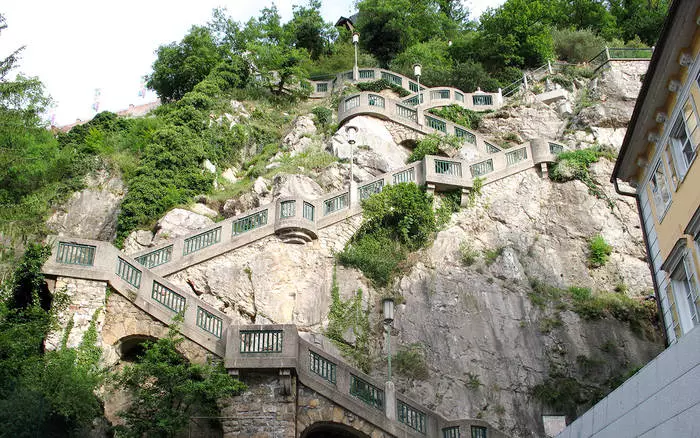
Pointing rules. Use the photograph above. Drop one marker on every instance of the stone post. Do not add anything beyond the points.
(390, 400)
(525, 81)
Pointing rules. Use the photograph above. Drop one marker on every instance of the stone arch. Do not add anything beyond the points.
(131, 347)
(330, 429)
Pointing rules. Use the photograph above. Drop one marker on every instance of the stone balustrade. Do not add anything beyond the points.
(150, 292)
(281, 347)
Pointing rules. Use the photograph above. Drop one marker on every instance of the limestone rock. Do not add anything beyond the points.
(209, 166)
(230, 175)
(295, 185)
(203, 210)
(92, 212)
(298, 139)
(531, 121)
(179, 222)
(138, 240)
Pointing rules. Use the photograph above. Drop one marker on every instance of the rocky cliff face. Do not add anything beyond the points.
(486, 339)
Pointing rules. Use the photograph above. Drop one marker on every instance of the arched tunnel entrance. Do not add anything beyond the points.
(132, 347)
(331, 430)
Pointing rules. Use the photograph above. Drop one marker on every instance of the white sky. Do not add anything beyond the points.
(76, 46)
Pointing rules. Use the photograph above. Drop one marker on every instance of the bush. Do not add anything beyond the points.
(377, 255)
(382, 84)
(467, 254)
(490, 255)
(576, 46)
(425, 146)
(324, 116)
(599, 251)
(461, 116)
(410, 361)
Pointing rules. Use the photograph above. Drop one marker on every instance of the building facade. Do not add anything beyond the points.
(660, 159)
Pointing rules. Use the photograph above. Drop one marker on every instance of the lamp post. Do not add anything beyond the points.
(417, 71)
(388, 311)
(351, 134)
(355, 69)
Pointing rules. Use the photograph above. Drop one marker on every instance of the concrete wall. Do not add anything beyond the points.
(661, 400)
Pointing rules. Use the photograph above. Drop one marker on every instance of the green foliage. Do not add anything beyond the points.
(324, 116)
(397, 220)
(459, 115)
(473, 381)
(410, 361)
(450, 202)
(345, 316)
(42, 393)
(576, 46)
(426, 146)
(640, 18)
(382, 84)
(467, 254)
(307, 29)
(546, 325)
(490, 255)
(572, 165)
(166, 390)
(599, 251)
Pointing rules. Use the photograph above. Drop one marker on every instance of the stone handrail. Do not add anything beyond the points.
(323, 88)
(150, 292)
(282, 347)
(446, 96)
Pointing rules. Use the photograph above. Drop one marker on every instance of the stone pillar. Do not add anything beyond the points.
(390, 400)
(430, 189)
(464, 199)
(545, 172)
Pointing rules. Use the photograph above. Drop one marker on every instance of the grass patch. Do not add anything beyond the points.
(467, 255)
(598, 251)
(461, 116)
(573, 165)
(490, 255)
(410, 361)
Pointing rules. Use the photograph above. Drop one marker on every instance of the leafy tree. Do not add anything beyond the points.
(166, 390)
(179, 67)
(42, 393)
(642, 18)
(307, 29)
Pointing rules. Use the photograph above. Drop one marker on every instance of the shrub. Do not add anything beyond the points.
(490, 255)
(427, 146)
(467, 254)
(473, 380)
(410, 361)
(324, 116)
(576, 46)
(377, 255)
(382, 84)
(599, 251)
(461, 116)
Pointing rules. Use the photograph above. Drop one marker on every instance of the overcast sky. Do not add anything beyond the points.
(77, 46)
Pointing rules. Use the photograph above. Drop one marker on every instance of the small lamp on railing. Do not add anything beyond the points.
(388, 311)
(351, 135)
(417, 72)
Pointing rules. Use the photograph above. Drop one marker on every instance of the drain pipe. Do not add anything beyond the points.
(648, 249)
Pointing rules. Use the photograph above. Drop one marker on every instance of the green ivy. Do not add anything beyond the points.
(382, 84)
(459, 115)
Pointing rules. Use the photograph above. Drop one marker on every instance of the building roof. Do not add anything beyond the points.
(677, 33)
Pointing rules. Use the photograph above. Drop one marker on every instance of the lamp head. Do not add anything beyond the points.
(417, 69)
(355, 37)
(351, 134)
(388, 310)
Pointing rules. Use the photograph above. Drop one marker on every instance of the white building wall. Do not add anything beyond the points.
(662, 400)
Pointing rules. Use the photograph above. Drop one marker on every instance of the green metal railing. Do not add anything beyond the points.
(366, 392)
(322, 87)
(323, 367)
(480, 100)
(75, 254)
(451, 432)
(406, 113)
(156, 258)
(482, 168)
(308, 211)
(411, 417)
(466, 135)
(366, 74)
(459, 97)
(250, 222)
(413, 101)
(168, 297)
(202, 240)
(375, 100)
(128, 272)
(336, 203)
(392, 78)
(413, 86)
(516, 156)
(261, 341)
(288, 209)
(436, 124)
(209, 322)
(478, 432)
(347, 75)
(491, 149)
(370, 189)
(555, 149)
(450, 168)
(439, 94)
(352, 102)
(408, 175)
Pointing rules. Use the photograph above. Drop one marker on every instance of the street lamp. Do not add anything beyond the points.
(355, 69)
(351, 135)
(388, 311)
(417, 70)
